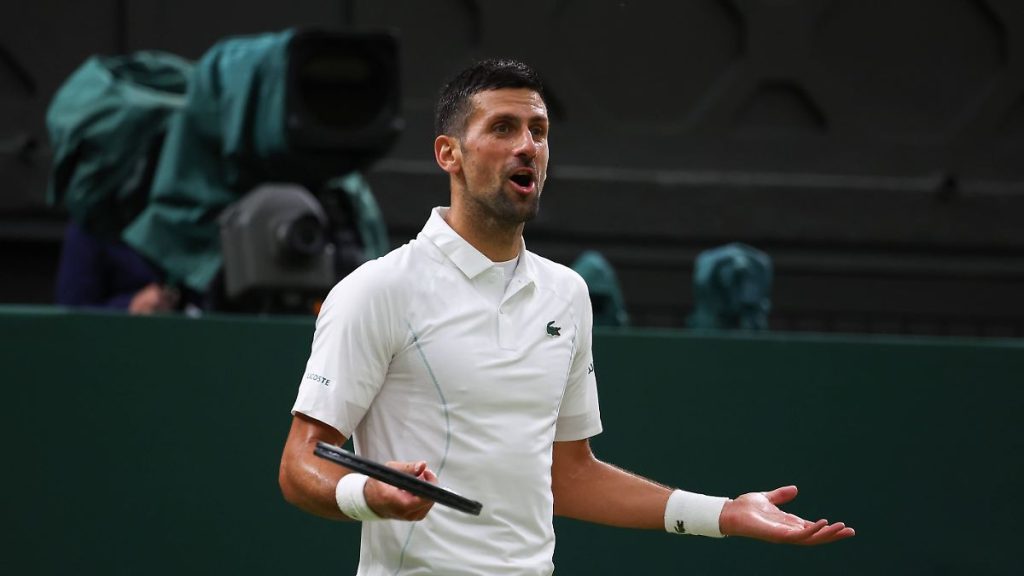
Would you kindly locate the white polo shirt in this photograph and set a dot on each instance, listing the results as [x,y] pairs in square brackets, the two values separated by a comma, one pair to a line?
[423,354]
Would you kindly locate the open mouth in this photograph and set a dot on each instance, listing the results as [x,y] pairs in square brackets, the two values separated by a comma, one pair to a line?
[523,180]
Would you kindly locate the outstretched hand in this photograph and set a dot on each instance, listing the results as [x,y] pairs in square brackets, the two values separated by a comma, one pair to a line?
[757,515]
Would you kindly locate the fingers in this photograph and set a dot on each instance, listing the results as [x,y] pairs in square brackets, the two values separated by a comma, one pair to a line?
[412,468]
[781,495]
[820,532]
[168,298]
[806,533]
[830,533]
[845,533]
[837,531]
[429,476]
[414,508]
[392,502]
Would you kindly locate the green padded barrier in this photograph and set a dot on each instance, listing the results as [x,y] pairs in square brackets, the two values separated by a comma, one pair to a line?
[151,445]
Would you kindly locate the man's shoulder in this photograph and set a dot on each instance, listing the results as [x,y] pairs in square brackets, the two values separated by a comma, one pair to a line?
[558,276]
[394,271]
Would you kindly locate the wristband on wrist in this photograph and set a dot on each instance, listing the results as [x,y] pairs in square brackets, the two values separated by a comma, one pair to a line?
[690,513]
[351,500]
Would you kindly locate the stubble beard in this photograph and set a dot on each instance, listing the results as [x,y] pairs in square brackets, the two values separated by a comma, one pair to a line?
[514,211]
[504,209]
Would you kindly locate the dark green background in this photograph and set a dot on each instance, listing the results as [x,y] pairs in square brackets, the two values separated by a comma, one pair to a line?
[151,445]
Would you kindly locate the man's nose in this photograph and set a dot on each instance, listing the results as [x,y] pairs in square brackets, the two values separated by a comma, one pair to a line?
[526,146]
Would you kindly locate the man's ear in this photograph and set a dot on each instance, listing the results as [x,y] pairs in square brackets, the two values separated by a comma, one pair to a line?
[448,153]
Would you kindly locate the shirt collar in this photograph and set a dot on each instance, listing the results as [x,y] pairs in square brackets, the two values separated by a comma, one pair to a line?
[466,258]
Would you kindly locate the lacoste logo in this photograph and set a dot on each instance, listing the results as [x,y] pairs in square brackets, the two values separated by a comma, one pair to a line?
[554,330]
[680,527]
[318,378]
[590,369]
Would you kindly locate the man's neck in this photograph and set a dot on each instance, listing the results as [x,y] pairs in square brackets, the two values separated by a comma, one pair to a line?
[497,241]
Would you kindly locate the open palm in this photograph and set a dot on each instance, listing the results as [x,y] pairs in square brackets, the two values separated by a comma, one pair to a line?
[757,515]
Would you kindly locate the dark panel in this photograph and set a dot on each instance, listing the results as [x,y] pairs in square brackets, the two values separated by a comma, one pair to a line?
[29,270]
[1000,149]
[634,86]
[715,207]
[837,253]
[40,44]
[910,69]
[190,27]
[780,108]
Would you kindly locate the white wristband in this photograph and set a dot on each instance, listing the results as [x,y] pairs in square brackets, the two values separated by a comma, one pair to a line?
[689,513]
[351,500]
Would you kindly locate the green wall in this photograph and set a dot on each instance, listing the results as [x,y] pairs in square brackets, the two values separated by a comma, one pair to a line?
[150,446]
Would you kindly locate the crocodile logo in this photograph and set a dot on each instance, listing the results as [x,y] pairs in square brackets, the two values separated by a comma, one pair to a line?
[554,330]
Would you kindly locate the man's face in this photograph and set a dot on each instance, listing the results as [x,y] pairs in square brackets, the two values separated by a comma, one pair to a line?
[505,154]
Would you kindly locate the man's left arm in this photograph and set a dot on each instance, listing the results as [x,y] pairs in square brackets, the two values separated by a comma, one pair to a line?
[586,488]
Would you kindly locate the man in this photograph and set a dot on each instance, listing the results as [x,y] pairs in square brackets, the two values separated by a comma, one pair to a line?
[465,359]
[97,272]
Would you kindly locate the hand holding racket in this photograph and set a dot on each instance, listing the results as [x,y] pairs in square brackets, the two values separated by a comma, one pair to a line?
[397,478]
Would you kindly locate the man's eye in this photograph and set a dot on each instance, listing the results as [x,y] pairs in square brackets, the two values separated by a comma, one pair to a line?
[501,128]
[538,131]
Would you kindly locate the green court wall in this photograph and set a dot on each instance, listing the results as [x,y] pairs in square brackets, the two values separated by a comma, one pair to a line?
[151,445]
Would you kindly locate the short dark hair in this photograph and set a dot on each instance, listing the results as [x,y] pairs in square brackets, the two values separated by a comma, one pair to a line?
[453,102]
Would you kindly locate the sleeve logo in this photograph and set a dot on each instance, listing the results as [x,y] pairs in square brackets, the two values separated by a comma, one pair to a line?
[318,378]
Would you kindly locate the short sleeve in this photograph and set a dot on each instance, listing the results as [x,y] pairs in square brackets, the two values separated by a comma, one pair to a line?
[579,416]
[354,341]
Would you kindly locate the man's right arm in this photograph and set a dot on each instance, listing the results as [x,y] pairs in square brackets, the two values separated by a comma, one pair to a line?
[309,482]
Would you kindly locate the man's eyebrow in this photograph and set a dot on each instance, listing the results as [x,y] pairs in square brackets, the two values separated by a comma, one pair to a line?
[509,117]
[504,117]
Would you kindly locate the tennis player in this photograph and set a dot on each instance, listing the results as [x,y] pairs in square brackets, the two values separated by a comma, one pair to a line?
[462,358]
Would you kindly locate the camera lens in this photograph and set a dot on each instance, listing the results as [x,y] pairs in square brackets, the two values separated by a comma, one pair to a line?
[302,237]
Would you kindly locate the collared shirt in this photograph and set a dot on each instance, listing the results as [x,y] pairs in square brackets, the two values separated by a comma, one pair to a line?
[424,354]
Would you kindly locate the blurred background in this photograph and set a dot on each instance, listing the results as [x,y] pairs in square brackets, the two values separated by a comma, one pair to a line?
[872,150]
[838,184]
